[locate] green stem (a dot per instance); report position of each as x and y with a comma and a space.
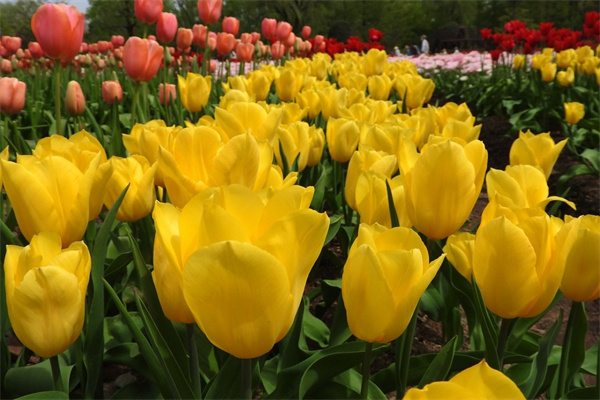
116, 141
246, 379
366, 371
206, 50
563, 378
58, 385
505, 327
194, 366
136, 89
4, 136
57, 95
403, 350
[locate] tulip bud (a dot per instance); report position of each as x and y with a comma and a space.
548, 72
112, 91
574, 112
269, 28
142, 58
283, 30
58, 28
244, 51
148, 11
231, 25
209, 11
166, 27
6, 66
225, 43
11, 44
12, 95
185, 37
167, 93
194, 91
117, 41
199, 32
306, 31
35, 50
74, 99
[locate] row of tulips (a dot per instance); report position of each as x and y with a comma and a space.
216, 219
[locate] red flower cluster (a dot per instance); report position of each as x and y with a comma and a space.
354, 43
516, 37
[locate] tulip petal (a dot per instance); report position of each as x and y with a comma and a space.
239, 296
488, 383
237, 162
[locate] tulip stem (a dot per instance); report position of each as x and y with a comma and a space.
58, 384
136, 89
205, 56
505, 327
576, 318
194, 366
366, 371
403, 350
4, 136
57, 95
246, 379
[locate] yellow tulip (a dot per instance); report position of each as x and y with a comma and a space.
574, 112
514, 264
288, 84
539, 60
578, 249
589, 65
538, 150
566, 58
372, 201
380, 87
442, 183
136, 172
45, 292
597, 73
293, 139
548, 72
49, 194
248, 258
194, 91
466, 130
583, 53
238, 82
519, 61
342, 138
332, 101
452, 111
475, 383
309, 99
234, 96
291, 112
353, 80
385, 275
319, 65
80, 149
566, 78
379, 110
316, 138
415, 88
367, 159
259, 84
248, 117
374, 62
459, 251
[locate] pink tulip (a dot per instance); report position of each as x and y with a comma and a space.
148, 11
185, 37
290, 40
306, 31
209, 11
168, 95
74, 99
12, 95
244, 51
277, 51
117, 41
58, 28
269, 28
35, 49
6, 66
255, 37
283, 30
142, 58
166, 27
231, 25
103, 46
199, 32
246, 38
225, 43
111, 91
11, 44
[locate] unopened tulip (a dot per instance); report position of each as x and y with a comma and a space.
199, 32
248, 117
209, 11
142, 58
12, 95
45, 292
574, 112
306, 32
104, 46
477, 382
136, 172
380, 87
148, 11
117, 41
252, 272
244, 51
35, 50
414, 90
231, 25
548, 72
459, 251
166, 27
58, 28
112, 91
269, 28
380, 261
290, 41
288, 84
566, 78
515, 266
167, 93
6, 66
578, 252
11, 43
342, 138
538, 150
372, 200
283, 30
277, 50
185, 37
74, 99
442, 183
255, 37
519, 61
194, 91
225, 43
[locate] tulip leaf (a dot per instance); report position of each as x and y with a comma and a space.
590, 363
292, 347
488, 327
137, 390
346, 385
539, 365
32, 379
588, 393
440, 366
227, 383
573, 171
335, 221
391, 206
94, 340
268, 374
302, 378
127, 354
50, 395
313, 327
320, 188
340, 332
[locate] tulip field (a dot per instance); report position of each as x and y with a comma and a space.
207, 213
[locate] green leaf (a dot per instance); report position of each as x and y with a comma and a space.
20, 381
593, 157
314, 328
539, 366
346, 385
391, 206
320, 188
573, 171
590, 363
340, 332
335, 221
573, 350
488, 326
588, 393
227, 383
137, 390
432, 303
50, 395
299, 380
440, 366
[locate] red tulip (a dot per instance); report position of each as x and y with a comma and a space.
212, 41
277, 51
225, 43
209, 10
290, 40
58, 28
246, 38
269, 28
103, 46
166, 96
142, 58
74, 99
231, 25
111, 91
244, 51
148, 11
306, 31
117, 41
185, 37
255, 37
199, 32
283, 30
11, 44
12, 95
166, 27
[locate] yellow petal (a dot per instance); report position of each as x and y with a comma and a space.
237, 162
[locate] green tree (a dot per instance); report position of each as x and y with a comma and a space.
15, 18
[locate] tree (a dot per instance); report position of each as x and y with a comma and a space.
15, 18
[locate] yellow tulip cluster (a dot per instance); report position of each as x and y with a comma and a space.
564, 65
